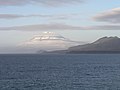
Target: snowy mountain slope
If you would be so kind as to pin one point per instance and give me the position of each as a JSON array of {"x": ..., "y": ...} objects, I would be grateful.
[{"x": 48, "y": 41}]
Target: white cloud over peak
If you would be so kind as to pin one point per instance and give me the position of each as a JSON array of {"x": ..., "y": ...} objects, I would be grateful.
[{"x": 111, "y": 16}]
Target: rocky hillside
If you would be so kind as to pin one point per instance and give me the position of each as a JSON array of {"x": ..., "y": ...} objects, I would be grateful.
[{"x": 105, "y": 44}]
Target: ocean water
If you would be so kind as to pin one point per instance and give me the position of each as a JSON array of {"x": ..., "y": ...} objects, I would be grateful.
[{"x": 60, "y": 72}]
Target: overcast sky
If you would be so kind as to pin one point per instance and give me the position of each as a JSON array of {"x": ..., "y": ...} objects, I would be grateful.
[{"x": 80, "y": 20}]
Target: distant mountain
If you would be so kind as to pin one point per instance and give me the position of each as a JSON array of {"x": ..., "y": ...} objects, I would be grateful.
[
  {"x": 47, "y": 41},
  {"x": 102, "y": 45}
]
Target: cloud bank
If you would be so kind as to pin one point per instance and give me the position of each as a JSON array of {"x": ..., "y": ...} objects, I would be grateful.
[
  {"x": 54, "y": 17},
  {"x": 10, "y": 16},
  {"x": 58, "y": 26},
  {"x": 42, "y": 27},
  {"x": 112, "y": 16},
  {"x": 103, "y": 27},
  {"x": 41, "y": 2}
]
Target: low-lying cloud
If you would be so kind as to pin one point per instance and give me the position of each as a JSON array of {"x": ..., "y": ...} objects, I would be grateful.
[
  {"x": 58, "y": 26},
  {"x": 112, "y": 16},
  {"x": 41, "y": 2}
]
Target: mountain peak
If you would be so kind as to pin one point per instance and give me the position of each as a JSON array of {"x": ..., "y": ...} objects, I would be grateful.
[
  {"x": 48, "y": 41},
  {"x": 106, "y": 39},
  {"x": 48, "y": 36},
  {"x": 104, "y": 44}
]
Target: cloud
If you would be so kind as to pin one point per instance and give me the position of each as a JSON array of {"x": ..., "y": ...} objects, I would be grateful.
[
  {"x": 103, "y": 27},
  {"x": 42, "y": 27},
  {"x": 54, "y": 17},
  {"x": 112, "y": 16},
  {"x": 58, "y": 26},
  {"x": 41, "y": 2},
  {"x": 10, "y": 16},
  {"x": 16, "y": 16}
]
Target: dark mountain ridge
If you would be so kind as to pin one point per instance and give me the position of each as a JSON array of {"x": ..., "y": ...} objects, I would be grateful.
[{"x": 102, "y": 45}]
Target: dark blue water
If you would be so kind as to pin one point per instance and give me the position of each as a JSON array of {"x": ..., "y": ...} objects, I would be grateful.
[{"x": 60, "y": 72}]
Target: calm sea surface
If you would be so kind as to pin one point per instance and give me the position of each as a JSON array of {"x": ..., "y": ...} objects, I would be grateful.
[{"x": 60, "y": 72}]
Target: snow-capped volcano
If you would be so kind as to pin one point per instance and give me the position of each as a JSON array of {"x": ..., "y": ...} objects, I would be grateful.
[
  {"x": 48, "y": 36},
  {"x": 48, "y": 41}
]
